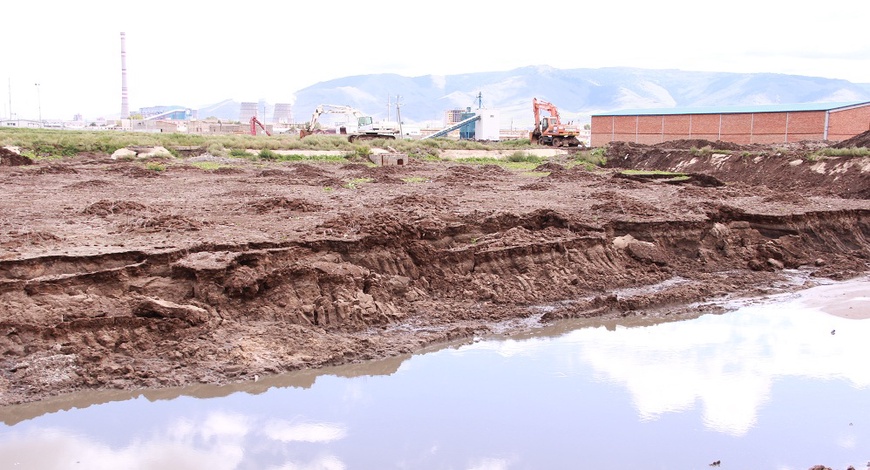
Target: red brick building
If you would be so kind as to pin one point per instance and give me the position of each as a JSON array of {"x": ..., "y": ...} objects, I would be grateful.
[{"x": 763, "y": 124}]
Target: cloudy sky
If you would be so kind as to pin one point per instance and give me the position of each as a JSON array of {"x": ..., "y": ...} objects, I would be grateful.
[{"x": 60, "y": 58}]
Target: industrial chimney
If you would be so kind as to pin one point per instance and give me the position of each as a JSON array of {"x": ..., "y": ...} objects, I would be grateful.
[{"x": 125, "y": 108}]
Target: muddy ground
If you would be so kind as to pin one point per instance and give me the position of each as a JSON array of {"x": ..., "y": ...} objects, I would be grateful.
[{"x": 115, "y": 274}]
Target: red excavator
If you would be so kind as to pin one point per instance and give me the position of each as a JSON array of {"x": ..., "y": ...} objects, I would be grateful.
[
  {"x": 256, "y": 122},
  {"x": 549, "y": 130}
]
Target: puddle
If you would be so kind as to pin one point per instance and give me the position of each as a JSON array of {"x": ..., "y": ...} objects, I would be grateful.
[{"x": 766, "y": 385}]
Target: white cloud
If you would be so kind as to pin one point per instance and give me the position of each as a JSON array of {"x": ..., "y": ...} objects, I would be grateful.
[{"x": 303, "y": 432}]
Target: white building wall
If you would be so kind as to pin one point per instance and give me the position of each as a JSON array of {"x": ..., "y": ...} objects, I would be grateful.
[{"x": 489, "y": 125}]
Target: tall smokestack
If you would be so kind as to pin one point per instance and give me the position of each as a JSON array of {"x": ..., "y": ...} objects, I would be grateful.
[{"x": 125, "y": 108}]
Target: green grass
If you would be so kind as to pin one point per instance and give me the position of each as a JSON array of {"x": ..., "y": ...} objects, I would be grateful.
[
  {"x": 847, "y": 152},
  {"x": 243, "y": 153},
  {"x": 154, "y": 166},
  {"x": 58, "y": 144},
  {"x": 591, "y": 158},
  {"x": 266, "y": 154},
  {"x": 515, "y": 166},
  {"x": 356, "y": 182},
  {"x": 519, "y": 156}
]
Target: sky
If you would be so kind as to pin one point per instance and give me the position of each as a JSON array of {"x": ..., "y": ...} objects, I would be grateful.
[{"x": 61, "y": 58}]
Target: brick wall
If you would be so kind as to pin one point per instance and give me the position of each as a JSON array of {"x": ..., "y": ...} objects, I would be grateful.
[
  {"x": 741, "y": 128},
  {"x": 847, "y": 123}
]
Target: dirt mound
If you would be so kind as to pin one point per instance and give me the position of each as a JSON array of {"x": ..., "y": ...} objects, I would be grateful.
[
  {"x": 550, "y": 166},
  {"x": 537, "y": 186},
  {"x": 274, "y": 173},
  {"x": 26, "y": 238},
  {"x": 688, "y": 144},
  {"x": 54, "y": 169},
  {"x": 860, "y": 140},
  {"x": 282, "y": 203},
  {"x": 781, "y": 167},
  {"x": 161, "y": 223},
  {"x": 302, "y": 174},
  {"x": 304, "y": 170},
  {"x": 105, "y": 207},
  {"x": 227, "y": 170},
  {"x": 355, "y": 167},
  {"x": 10, "y": 158},
  {"x": 89, "y": 184},
  {"x": 131, "y": 170},
  {"x": 423, "y": 201},
  {"x": 464, "y": 174}
]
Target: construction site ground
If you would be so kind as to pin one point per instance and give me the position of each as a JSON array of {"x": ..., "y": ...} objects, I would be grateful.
[{"x": 127, "y": 274}]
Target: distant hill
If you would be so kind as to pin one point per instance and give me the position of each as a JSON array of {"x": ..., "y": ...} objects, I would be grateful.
[{"x": 576, "y": 92}]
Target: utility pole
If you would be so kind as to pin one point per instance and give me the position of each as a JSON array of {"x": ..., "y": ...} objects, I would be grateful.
[
  {"x": 10, "y": 98},
  {"x": 39, "y": 102},
  {"x": 399, "y": 117},
  {"x": 388, "y": 108}
]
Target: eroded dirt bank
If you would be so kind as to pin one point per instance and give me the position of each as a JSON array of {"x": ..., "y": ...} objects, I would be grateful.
[{"x": 116, "y": 276}]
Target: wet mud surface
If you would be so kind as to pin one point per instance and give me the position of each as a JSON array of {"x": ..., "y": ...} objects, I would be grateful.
[{"x": 114, "y": 275}]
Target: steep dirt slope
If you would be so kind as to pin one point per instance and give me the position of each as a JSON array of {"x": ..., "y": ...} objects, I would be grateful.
[{"x": 116, "y": 276}]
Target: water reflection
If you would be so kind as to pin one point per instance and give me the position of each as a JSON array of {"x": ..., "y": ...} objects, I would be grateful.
[
  {"x": 765, "y": 386},
  {"x": 727, "y": 363}
]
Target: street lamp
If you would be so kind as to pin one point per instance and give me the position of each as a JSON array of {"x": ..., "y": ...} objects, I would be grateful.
[{"x": 39, "y": 102}]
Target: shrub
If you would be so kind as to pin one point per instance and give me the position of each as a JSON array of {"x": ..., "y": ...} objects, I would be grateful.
[
  {"x": 216, "y": 149},
  {"x": 524, "y": 157},
  {"x": 267, "y": 154},
  {"x": 591, "y": 158}
]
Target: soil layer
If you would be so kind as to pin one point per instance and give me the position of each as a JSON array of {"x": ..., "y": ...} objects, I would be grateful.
[{"x": 124, "y": 275}]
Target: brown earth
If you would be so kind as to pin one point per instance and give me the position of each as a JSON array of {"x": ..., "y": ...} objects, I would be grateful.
[{"x": 114, "y": 275}]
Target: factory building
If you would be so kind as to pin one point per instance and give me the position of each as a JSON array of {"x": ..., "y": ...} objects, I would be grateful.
[{"x": 762, "y": 124}]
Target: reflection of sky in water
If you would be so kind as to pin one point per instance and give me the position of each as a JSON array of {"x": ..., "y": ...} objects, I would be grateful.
[
  {"x": 727, "y": 363},
  {"x": 767, "y": 386}
]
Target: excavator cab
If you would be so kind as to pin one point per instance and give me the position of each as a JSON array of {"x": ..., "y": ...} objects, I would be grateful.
[{"x": 545, "y": 124}]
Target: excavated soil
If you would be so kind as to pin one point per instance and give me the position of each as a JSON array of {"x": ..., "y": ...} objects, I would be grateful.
[{"x": 114, "y": 275}]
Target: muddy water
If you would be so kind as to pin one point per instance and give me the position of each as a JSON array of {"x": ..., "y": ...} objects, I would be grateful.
[{"x": 780, "y": 383}]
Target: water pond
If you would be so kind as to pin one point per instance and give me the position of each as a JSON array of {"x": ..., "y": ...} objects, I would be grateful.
[{"x": 776, "y": 383}]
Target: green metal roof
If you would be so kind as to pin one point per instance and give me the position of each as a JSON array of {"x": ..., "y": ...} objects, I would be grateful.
[{"x": 762, "y": 108}]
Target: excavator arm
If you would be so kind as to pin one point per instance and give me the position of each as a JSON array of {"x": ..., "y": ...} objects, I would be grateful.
[
  {"x": 328, "y": 109},
  {"x": 545, "y": 106},
  {"x": 256, "y": 122}
]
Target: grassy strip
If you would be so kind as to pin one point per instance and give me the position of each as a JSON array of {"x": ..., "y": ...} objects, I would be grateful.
[
  {"x": 56, "y": 143},
  {"x": 847, "y": 152}
]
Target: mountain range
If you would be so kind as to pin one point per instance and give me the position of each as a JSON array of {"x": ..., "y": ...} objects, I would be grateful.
[{"x": 577, "y": 93}]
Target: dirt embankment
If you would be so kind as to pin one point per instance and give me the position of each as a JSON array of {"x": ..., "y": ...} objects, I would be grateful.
[{"x": 113, "y": 275}]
